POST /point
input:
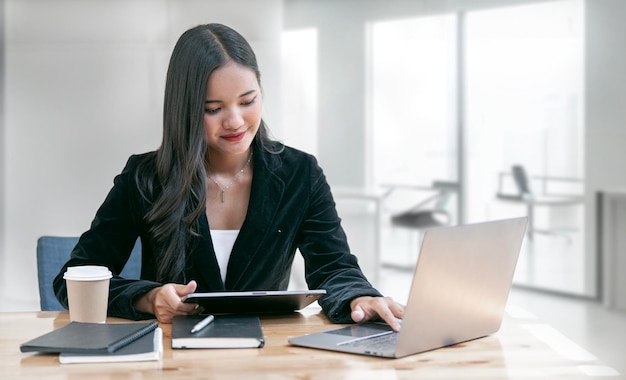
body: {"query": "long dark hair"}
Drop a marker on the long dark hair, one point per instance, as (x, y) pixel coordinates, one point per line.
(178, 191)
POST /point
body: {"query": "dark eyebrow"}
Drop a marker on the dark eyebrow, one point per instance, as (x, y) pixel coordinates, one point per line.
(241, 96)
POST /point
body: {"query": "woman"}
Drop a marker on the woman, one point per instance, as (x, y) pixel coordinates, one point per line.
(220, 206)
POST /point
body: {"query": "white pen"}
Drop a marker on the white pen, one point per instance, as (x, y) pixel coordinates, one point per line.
(202, 324)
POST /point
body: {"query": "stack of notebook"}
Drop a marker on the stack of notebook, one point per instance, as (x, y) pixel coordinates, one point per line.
(80, 342)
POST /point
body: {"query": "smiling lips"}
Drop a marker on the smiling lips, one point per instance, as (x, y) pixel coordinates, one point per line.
(235, 137)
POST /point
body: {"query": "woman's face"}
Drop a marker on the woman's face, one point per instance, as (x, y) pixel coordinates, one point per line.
(232, 109)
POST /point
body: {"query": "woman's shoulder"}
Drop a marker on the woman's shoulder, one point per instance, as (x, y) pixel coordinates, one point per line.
(139, 174)
(140, 169)
(291, 152)
(280, 157)
(281, 151)
(143, 160)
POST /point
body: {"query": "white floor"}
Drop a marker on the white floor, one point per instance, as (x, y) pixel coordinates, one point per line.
(589, 324)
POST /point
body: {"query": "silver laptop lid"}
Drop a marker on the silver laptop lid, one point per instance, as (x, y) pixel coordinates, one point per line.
(461, 284)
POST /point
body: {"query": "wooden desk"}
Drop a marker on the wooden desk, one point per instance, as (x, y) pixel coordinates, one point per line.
(512, 353)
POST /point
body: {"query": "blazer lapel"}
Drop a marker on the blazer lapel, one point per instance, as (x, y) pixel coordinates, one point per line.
(265, 197)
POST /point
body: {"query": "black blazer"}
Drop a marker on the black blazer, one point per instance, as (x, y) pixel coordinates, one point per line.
(291, 207)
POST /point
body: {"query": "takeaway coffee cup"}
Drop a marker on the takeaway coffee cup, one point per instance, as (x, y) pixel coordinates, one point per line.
(88, 292)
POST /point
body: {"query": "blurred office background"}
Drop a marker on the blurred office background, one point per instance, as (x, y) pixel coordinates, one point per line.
(394, 97)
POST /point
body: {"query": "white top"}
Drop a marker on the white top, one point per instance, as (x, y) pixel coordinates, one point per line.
(223, 241)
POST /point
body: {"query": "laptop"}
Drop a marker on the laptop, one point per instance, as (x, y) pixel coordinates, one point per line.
(459, 291)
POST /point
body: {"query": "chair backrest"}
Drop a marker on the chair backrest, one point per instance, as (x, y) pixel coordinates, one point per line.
(521, 180)
(54, 251)
(443, 200)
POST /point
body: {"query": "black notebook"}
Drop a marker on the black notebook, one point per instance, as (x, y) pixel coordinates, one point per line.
(226, 331)
(148, 347)
(93, 338)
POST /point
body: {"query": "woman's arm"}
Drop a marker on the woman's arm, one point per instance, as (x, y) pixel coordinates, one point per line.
(330, 265)
(109, 242)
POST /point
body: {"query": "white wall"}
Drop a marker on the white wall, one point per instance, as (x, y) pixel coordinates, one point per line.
(3, 263)
(84, 87)
(605, 161)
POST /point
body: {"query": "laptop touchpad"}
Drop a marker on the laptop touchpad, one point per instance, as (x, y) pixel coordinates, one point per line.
(362, 330)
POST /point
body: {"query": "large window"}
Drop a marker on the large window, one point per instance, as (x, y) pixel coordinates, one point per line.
(524, 102)
(519, 86)
(413, 100)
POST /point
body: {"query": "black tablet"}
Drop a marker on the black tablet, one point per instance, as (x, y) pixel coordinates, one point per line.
(270, 301)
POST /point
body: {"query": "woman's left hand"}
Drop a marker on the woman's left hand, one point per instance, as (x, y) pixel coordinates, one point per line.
(366, 308)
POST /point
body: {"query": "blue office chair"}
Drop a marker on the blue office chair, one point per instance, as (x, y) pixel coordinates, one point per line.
(54, 251)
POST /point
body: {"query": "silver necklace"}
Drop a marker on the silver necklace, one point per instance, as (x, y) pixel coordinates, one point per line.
(223, 189)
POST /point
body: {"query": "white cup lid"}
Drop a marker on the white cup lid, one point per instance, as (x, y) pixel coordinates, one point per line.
(87, 273)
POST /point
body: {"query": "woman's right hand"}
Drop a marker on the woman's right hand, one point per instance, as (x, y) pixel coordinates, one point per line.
(165, 301)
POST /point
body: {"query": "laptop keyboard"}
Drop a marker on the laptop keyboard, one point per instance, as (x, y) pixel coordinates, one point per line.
(386, 342)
